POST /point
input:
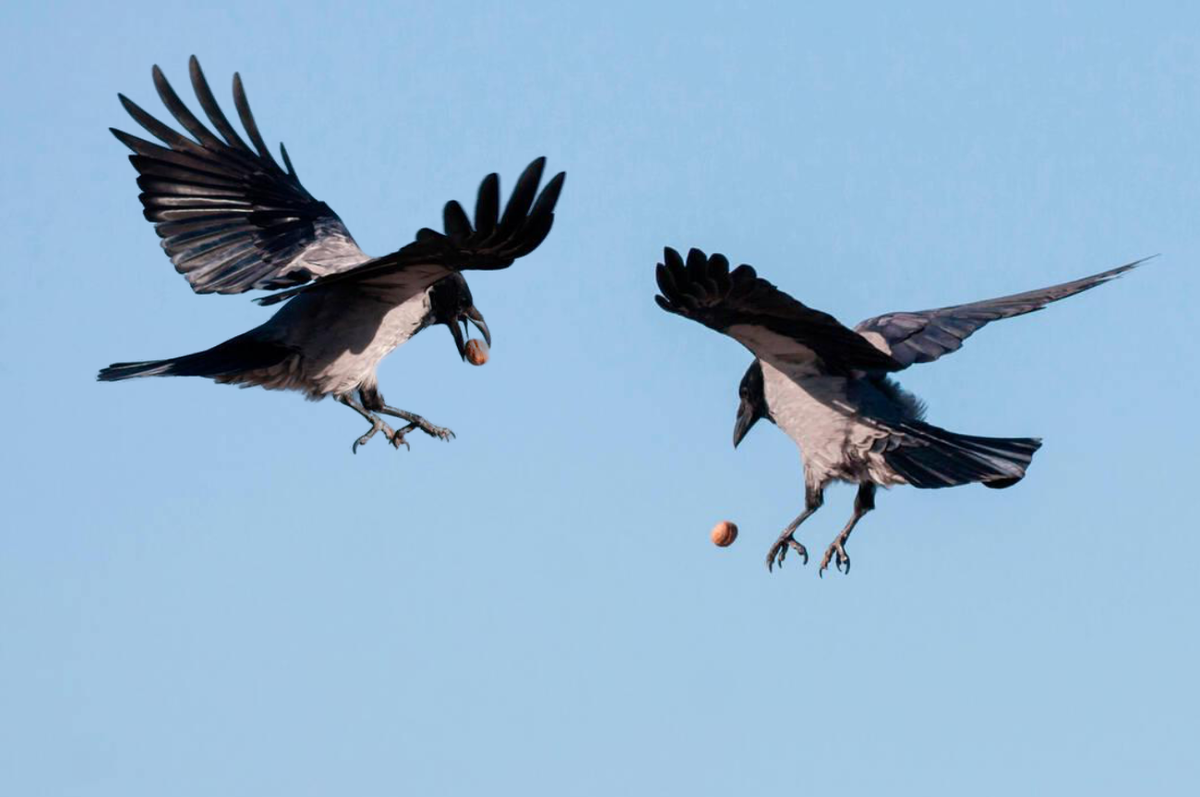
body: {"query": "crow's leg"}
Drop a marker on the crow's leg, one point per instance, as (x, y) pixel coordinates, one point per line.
(813, 498)
(372, 400)
(417, 422)
(864, 502)
(377, 425)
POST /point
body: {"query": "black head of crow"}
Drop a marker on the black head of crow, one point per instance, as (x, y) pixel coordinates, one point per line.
(450, 303)
(753, 403)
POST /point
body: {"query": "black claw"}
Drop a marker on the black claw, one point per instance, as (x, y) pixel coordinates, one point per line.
(799, 549)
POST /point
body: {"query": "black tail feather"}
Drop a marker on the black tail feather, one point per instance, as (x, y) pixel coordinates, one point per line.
(938, 458)
(237, 355)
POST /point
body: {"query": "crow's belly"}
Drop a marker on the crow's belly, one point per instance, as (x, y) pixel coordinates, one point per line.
(836, 442)
(337, 355)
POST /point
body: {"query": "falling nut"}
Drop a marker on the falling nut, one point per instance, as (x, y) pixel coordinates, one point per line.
(477, 352)
(724, 533)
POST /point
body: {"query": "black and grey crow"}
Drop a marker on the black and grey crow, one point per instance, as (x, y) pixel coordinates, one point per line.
(826, 385)
(233, 220)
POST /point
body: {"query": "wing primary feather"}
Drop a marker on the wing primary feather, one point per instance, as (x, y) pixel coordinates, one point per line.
(180, 111)
(247, 117)
(487, 205)
(209, 103)
(154, 167)
(456, 222)
(661, 277)
(287, 161)
(522, 197)
(198, 159)
(547, 200)
(161, 131)
(532, 236)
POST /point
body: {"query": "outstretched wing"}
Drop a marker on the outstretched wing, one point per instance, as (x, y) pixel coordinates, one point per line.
(773, 325)
(230, 217)
(923, 337)
(494, 241)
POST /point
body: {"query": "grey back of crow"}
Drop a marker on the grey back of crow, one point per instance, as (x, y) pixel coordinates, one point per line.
(827, 386)
(232, 219)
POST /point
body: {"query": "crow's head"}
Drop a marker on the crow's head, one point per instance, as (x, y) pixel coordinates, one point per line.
(450, 304)
(754, 402)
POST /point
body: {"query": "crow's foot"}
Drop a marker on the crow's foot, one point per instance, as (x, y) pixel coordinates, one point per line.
(836, 552)
(433, 431)
(779, 550)
(377, 425)
(417, 422)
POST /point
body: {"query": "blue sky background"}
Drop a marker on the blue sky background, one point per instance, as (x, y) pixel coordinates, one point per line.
(202, 592)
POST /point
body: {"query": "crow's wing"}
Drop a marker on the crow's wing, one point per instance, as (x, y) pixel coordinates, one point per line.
(923, 337)
(230, 217)
(493, 242)
(764, 319)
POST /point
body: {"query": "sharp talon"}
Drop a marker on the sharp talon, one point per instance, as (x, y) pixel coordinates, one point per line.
(779, 552)
(836, 554)
(799, 549)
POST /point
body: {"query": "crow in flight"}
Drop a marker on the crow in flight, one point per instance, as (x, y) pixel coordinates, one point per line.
(826, 385)
(233, 220)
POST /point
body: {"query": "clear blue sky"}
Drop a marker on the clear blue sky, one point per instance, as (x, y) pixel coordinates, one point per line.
(203, 593)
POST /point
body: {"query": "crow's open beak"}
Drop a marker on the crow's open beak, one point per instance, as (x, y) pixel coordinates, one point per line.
(461, 335)
(746, 418)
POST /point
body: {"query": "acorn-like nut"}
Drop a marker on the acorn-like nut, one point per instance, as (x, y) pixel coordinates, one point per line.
(477, 352)
(724, 533)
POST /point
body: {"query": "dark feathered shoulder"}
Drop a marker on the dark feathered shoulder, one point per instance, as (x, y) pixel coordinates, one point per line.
(769, 322)
(492, 242)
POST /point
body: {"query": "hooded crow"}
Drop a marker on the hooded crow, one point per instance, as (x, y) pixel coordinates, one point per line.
(826, 385)
(232, 220)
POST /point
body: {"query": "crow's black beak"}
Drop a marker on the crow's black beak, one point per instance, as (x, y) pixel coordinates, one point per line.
(746, 418)
(459, 339)
(461, 335)
(476, 318)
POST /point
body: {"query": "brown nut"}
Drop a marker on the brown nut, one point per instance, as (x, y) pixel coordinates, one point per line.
(477, 352)
(724, 533)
